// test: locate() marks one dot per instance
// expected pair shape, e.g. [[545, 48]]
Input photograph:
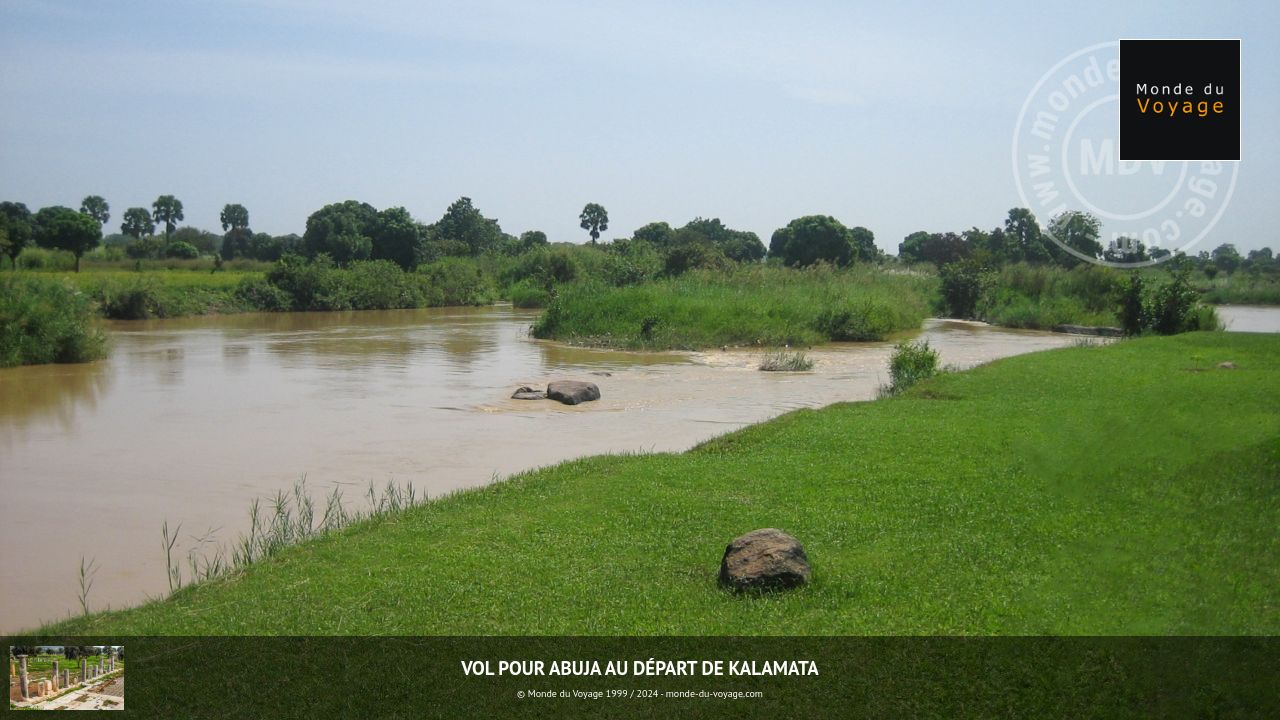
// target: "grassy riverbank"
[[44, 321], [1127, 489], [759, 305]]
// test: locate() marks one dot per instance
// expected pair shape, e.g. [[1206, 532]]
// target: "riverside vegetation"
[[698, 285], [1135, 498]]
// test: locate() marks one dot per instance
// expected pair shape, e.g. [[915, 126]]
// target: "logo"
[[1066, 158]]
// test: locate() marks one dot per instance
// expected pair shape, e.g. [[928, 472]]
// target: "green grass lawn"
[[1127, 489]]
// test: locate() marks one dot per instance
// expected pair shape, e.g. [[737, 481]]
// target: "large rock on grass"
[[766, 559], [572, 392]]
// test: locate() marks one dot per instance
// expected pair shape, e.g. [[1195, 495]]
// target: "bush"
[[529, 294], [867, 320], [310, 284], [381, 284], [179, 249], [256, 293], [456, 281], [963, 284], [46, 321], [911, 363], [38, 258], [1133, 316], [135, 298], [1174, 306]]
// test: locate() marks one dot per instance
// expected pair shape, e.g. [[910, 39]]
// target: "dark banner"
[[694, 677]]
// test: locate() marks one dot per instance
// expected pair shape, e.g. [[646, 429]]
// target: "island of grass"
[[749, 305], [1125, 489]]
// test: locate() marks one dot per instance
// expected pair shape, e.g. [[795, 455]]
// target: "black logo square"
[[1179, 100]]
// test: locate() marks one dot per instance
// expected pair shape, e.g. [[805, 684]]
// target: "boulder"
[[766, 559], [572, 392], [528, 393]]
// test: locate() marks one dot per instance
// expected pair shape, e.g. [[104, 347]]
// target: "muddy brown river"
[[190, 419]]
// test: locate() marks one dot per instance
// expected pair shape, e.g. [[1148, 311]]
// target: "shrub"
[[963, 284], [310, 284], [1133, 316], [135, 298], [255, 293], [867, 320], [38, 258], [1172, 308], [179, 249], [46, 321], [911, 363], [529, 294], [381, 284], [456, 281]]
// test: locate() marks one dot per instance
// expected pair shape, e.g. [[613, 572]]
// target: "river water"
[[190, 419]]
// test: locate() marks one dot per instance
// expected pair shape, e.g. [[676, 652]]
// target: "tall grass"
[[1244, 289], [786, 361], [44, 320], [281, 521], [1043, 296], [749, 305]]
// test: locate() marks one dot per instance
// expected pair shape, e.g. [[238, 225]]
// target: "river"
[[190, 419]]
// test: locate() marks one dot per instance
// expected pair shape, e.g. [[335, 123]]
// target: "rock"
[[766, 559], [572, 392], [1228, 365], [528, 393], [1089, 330]]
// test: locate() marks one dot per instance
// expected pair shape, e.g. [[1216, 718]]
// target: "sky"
[[895, 116]]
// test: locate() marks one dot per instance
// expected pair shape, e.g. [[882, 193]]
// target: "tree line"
[[352, 230]]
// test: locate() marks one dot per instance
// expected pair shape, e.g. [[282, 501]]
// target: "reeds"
[[284, 520]]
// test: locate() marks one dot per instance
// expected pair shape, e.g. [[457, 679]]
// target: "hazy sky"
[[894, 116]]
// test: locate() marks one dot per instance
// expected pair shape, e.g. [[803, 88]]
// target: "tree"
[[1125, 249], [97, 208], [396, 237], [1023, 239], [137, 223], [530, 239], [864, 244], [594, 219], [16, 231], [657, 234], [1227, 258], [1078, 231], [809, 239], [64, 228], [1261, 255], [464, 223], [167, 209], [738, 245], [235, 223], [341, 231]]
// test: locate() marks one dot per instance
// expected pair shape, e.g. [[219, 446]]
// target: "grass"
[[750, 305], [786, 361], [1123, 489], [44, 321], [1241, 289], [1041, 297]]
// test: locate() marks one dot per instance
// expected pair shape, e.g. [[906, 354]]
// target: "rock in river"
[[572, 392], [766, 559], [528, 393]]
